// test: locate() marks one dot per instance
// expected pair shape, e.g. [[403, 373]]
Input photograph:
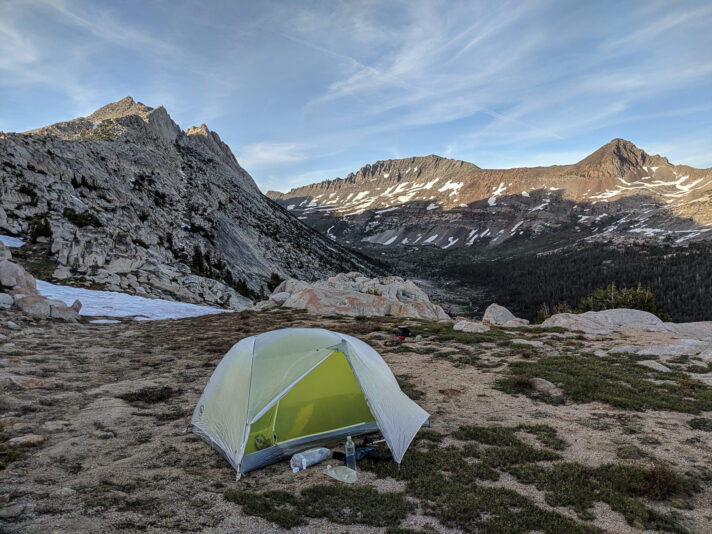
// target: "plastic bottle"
[[304, 459], [350, 450]]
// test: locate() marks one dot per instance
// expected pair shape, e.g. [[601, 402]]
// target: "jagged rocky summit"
[[125, 200], [355, 294]]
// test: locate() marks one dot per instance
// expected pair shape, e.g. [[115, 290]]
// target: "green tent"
[[288, 390]]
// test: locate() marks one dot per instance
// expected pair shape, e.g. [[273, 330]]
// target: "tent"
[[284, 391]]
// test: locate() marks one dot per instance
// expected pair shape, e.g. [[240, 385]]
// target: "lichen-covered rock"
[[355, 294], [464, 325]]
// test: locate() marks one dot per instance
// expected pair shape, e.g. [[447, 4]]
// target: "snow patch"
[[391, 240], [525, 194], [11, 242], [431, 239], [454, 186], [432, 207], [451, 242], [290, 207], [114, 304]]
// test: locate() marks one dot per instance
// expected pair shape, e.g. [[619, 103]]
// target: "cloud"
[[268, 153]]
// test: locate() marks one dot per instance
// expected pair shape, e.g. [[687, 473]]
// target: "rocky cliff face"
[[125, 200], [618, 192]]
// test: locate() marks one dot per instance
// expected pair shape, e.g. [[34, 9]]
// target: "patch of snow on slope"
[[541, 206], [430, 239], [525, 194], [430, 183], [361, 195], [492, 201], [11, 242], [386, 174], [391, 240], [649, 232], [451, 242], [432, 207], [386, 210], [329, 234], [454, 186], [290, 207], [514, 228], [116, 304]]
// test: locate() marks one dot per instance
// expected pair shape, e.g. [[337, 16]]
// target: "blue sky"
[[304, 91]]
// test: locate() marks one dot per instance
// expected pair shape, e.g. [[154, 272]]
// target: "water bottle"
[[350, 450], [304, 459]]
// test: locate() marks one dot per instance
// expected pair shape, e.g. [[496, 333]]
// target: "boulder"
[[516, 323], [606, 321], [5, 253], [29, 382], [544, 386], [264, 305], [28, 440], [40, 306], [470, 326], [684, 347], [354, 294], [34, 305], [497, 315], [280, 298], [62, 273], [652, 364], [14, 276], [6, 300]]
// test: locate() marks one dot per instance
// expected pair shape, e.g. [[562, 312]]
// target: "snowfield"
[[113, 304], [11, 242]]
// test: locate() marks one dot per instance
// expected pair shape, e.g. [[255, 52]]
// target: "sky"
[[306, 91]]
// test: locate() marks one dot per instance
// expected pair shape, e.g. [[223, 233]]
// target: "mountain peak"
[[618, 157], [121, 108]]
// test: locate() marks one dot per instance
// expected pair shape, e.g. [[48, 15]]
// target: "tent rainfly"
[[281, 392]]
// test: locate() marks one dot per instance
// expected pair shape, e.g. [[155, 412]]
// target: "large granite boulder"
[[13, 276], [606, 321], [355, 294], [5, 253], [497, 315]]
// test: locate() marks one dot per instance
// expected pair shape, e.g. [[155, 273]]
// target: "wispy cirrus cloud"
[[300, 89]]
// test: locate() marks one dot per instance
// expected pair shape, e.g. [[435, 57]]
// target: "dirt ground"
[[108, 407]]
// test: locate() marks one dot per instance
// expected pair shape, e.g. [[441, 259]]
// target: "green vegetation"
[[514, 275], [7, 454], [701, 423], [611, 297], [82, 219], [444, 332], [619, 381], [338, 503], [579, 487], [29, 190], [274, 281], [408, 387], [442, 481], [39, 227]]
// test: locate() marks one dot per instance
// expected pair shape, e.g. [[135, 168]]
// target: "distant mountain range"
[[617, 193], [125, 200]]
